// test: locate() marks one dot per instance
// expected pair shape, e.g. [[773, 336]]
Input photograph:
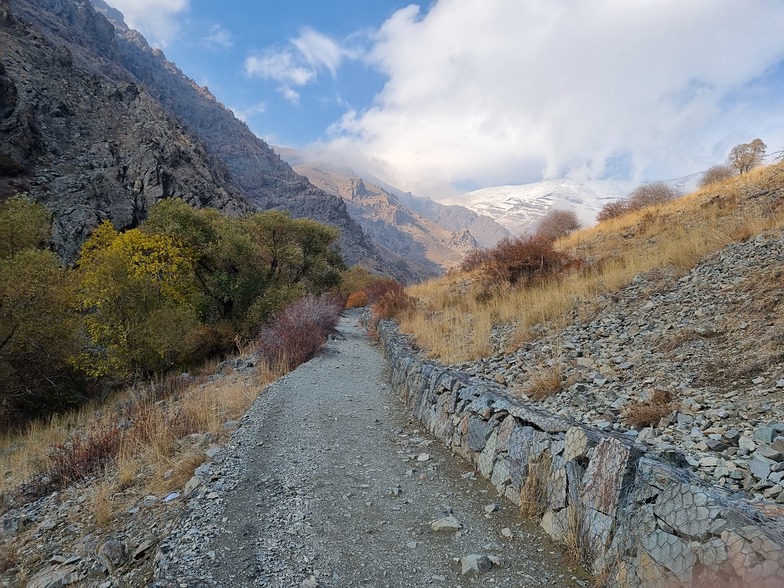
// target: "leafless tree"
[[558, 223], [747, 156], [612, 210], [716, 174]]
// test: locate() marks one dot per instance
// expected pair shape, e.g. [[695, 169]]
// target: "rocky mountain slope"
[[84, 137], [267, 181], [705, 346], [520, 207], [425, 236], [98, 125]]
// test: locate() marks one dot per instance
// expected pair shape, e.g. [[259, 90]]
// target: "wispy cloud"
[[155, 19], [246, 113], [498, 91], [218, 38], [298, 63]]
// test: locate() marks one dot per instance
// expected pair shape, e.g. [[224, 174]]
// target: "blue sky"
[[444, 96]]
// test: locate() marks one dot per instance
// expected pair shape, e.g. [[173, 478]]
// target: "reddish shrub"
[[388, 299], [357, 299], [475, 259], [82, 455], [525, 259], [299, 331], [612, 210]]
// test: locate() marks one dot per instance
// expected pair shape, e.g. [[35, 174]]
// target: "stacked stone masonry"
[[633, 517]]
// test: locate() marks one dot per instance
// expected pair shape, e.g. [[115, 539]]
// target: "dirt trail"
[[327, 483]]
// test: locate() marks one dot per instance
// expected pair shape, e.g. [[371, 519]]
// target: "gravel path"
[[327, 483]]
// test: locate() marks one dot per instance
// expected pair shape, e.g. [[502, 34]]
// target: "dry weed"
[[102, 504], [648, 413], [533, 494], [544, 382]]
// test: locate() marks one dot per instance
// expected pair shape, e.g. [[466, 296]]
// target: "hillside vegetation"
[[185, 286], [457, 318]]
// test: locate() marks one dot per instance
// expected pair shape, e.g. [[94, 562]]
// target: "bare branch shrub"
[[716, 174], [525, 259], [299, 331], [612, 209], [650, 195], [558, 223], [475, 259]]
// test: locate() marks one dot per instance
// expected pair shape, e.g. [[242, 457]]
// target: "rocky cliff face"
[[82, 135], [267, 181], [97, 125]]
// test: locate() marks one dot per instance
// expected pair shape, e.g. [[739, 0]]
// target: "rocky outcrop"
[[267, 181], [634, 518], [82, 136]]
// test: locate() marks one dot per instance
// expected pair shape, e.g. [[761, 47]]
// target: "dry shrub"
[[475, 259], [357, 299], [533, 494], [388, 299], [647, 413], [206, 341], [524, 260], [544, 382], [297, 333], [612, 209], [558, 223], [715, 175], [83, 455]]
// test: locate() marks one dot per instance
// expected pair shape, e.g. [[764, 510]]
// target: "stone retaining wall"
[[634, 518]]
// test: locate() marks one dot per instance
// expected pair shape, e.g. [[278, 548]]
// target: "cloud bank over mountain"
[[484, 92]]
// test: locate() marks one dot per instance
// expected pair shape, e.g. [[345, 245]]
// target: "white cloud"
[[298, 63], [280, 66], [289, 94], [499, 91], [218, 38], [318, 50], [245, 113], [155, 19]]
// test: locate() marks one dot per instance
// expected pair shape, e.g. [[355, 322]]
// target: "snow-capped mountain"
[[520, 207]]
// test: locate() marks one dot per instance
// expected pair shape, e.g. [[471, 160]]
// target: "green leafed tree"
[[40, 326], [139, 294]]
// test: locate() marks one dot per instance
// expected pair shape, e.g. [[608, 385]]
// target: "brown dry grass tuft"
[[533, 494], [8, 557], [544, 382], [648, 413], [102, 505]]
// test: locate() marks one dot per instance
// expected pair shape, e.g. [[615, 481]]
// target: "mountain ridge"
[[99, 126]]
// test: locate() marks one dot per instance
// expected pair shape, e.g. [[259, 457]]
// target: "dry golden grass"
[[544, 382], [533, 495], [102, 504], [150, 455], [454, 315]]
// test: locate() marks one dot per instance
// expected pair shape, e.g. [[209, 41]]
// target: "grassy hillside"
[[455, 315]]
